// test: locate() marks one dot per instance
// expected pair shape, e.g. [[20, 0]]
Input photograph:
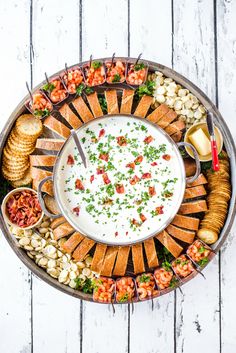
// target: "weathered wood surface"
[[198, 39]]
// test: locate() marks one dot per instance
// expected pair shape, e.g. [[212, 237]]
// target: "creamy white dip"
[[131, 186]]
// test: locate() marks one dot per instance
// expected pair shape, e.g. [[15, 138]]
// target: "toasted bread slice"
[[143, 106], [169, 243], [63, 230], [82, 109], [167, 119], [94, 104], [195, 191], [49, 144], [137, 256], [127, 101], [121, 261], [151, 253], [82, 249], [193, 207], [186, 222], [56, 126], [158, 113], [112, 102], [185, 235], [71, 243], [70, 116], [42, 160], [98, 257], [109, 261]]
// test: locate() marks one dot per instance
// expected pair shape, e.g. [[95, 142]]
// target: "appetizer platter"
[[118, 180]]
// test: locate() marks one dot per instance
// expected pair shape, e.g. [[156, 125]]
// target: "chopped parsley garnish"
[[86, 285], [147, 89], [103, 104], [79, 89], [88, 90], [96, 64], [49, 87], [42, 113], [124, 298], [203, 262], [116, 78], [144, 278], [138, 67]]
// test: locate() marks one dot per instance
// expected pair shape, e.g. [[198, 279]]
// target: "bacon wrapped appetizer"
[[104, 288], [198, 253], [182, 266], [94, 74], [146, 286], [136, 74], [115, 71], [125, 289], [56, 90], [73, 78], [40, 105]]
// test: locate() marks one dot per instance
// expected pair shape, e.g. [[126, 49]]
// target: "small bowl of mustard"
[[199, 137]]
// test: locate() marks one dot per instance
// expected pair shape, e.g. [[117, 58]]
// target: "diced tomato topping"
[[76, 210], [159, 210], [166, 157], [105, 178], [101, 133], [146, 176], [153, 164], [135, 222], [116, 234], [70, 160], [120, 188], [79, 185], [142, 217], [138, 160], [104, 156], [126, 233], [134, 180], [130, 165], [152, 190], [100, 170], [121, 140], [148, 139], [91, 179]]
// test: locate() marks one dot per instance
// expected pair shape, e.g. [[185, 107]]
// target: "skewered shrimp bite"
[[73, 77], [164, 278], [125, 290], [39, 105], [115, 71], [182, 266], [199, 253], [56, 90], [94, 74], [146, 286], [104, 288], [136, 73]]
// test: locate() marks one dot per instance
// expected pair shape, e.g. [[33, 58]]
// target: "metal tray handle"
[[198, 165], [41, 199]]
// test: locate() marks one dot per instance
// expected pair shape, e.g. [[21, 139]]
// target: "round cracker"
[[29, 125], [26, 180]]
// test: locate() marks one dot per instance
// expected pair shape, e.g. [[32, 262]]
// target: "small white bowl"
[[4, 212]]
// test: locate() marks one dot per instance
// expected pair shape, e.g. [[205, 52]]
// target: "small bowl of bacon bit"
[[21, 208]]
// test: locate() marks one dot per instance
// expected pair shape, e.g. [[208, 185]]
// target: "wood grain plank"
[[197, 326], [15, 310], [55, 41], [226, 39], [151, 24]]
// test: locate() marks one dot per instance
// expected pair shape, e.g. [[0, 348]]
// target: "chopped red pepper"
[[138, 160], [121, 140], [142, 217], [91, 179], [116, 234], [105, 178], [134, 180], [100, 170], [152, 190], [148, 139], [76, 210], [153, 164], [70, 160], [126, 233], [159, 210], [101, 133], [146, 176], [120, 188], [104, 156], [79, 185], [166, 157], [130, 165]]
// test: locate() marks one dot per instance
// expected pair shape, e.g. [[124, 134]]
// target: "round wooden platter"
[[71, 113]]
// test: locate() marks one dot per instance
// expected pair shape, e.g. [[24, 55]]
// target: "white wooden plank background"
[[198, 39]]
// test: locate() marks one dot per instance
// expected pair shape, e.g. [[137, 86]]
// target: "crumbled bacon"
[[91, 179], [166, 157], [121, 140], [142, 217], [152, 190], [159, 210], [138, 160], [76, 210], [23, 208], [79, 185], [135, 222], [131, 165], [70, 160], [100, 170], [105, 178], [116, 234], [120, 188], [153, 164], [146, 176], [101, 133], [148, 139], [134, 180], [104, 156]]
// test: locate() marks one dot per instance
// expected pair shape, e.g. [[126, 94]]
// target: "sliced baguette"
[[193, 207], [167, 119], [158, 113], [98, 257], [175, 127], [42, 160], [94, 104], [109, 261], [151, 253], [195, 191], [56, 126], [38, 175], [82, 109], [201, 180], [169, 243], [51, 204], [63, 230], [71, 243], [186, 222], [127, 101], [82, 249], [49, 144], [70, 116], [137, 256], [143, 106], [112, 102], [57, 221], [121, 261], [190, 166], [185, 235]]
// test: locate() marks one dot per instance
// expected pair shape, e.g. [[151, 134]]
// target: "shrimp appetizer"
[[94, 74], [73, 78], [182, 266], [40, 105], [103, 289], [56, 90], [146, 286], [125, 289], [164, 277], [115, 71], [198, 253], [136, 74]]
